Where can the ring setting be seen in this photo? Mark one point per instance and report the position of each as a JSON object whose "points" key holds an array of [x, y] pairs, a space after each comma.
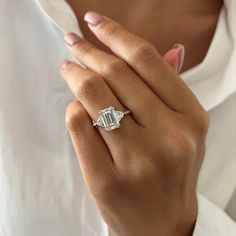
{"points": [[109, 118]]}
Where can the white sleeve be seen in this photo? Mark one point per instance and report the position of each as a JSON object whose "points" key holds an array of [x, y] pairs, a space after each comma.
{"points": [[212, 221]]}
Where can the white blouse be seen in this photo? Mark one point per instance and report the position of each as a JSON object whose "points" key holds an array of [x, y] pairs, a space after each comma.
{"points": [[41, 187]]}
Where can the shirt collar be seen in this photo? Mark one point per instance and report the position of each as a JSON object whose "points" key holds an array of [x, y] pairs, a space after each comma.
{"points": [[212, 81]]}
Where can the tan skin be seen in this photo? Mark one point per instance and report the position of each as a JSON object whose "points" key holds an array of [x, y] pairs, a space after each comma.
{"points": [[189, 22], [143, 176]]}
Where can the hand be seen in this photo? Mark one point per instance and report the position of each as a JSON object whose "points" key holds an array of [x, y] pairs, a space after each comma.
{"points": [[143, 175]]}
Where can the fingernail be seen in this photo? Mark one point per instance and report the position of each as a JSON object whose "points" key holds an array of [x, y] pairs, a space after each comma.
{"points": [[65, 63], [72, 39], [181, 55], [93, 18]]}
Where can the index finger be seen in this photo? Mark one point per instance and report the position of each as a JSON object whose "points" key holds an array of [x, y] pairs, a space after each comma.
{"points": [[143, 57]]}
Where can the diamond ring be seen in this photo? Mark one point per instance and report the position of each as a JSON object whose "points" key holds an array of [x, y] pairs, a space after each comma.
{"points": [[109, 118]]}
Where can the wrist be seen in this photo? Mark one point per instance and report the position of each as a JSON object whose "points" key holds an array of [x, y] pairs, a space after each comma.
{"points": [[186, 220]]}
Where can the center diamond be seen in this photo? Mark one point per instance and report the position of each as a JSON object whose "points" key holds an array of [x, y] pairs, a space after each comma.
{"points": [[109, 118]]}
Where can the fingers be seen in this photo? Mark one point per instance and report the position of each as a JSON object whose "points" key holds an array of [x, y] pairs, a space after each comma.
{"points": [[94, 156], [130, 89], [94, 94], [145, 60]]}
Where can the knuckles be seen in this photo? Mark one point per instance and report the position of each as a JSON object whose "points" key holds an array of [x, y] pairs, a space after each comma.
{"points": [[76, 115], [179, 144], [199, 123], [185, 148], [109, 29], [144, 52], [203, 123], [115, 66], [88, 87], [186, 138]]}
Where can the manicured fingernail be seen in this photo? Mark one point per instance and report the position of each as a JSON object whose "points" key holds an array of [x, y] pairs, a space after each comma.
{"points": [[93, 18], [72, 39], [181, 55], [65, 63]]}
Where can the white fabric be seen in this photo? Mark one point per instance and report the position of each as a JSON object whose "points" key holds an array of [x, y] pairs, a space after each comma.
{"points": [[41, 188], [212, 221]]}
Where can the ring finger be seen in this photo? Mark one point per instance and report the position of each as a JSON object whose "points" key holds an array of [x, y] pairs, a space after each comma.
{"points": [[92, 91]]}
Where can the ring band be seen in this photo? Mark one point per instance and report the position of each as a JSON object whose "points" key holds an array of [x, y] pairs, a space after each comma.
{"points": [[109, 118]]}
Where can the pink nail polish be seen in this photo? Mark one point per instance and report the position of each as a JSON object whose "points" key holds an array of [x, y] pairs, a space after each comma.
{"points": [[181, 55], [65, 63], [93, 18], [72, 39]]}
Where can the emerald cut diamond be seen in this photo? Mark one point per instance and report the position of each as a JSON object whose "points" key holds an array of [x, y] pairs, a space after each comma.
{"points": [[109, 118]]}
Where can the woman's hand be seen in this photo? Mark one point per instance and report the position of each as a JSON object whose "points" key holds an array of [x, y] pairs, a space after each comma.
{"points": [[143, 175]]}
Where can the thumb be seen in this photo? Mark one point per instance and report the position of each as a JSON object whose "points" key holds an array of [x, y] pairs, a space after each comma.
{"points": [[175, 57]]}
